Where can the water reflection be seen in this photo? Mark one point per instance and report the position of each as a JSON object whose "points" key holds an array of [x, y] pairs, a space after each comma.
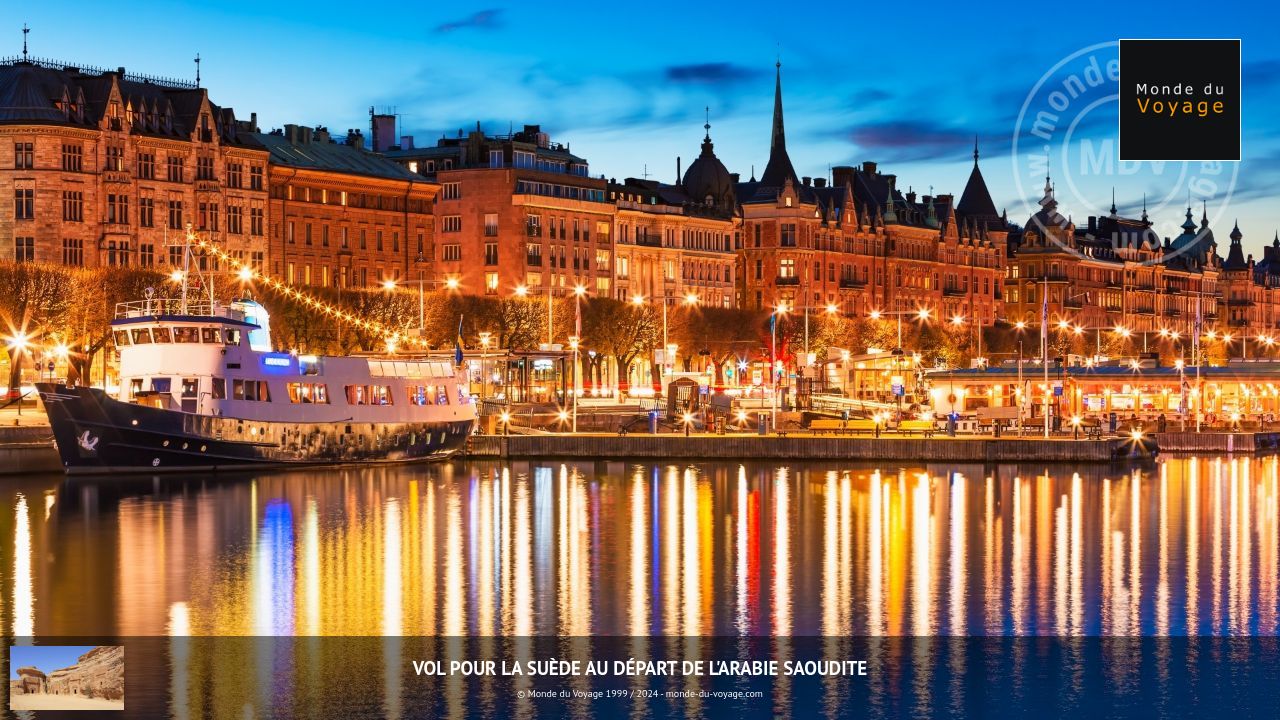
{"points": [[1187, 546]]}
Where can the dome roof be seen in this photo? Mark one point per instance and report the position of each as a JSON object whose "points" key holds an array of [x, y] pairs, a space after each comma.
{"points": [[708, 177]]}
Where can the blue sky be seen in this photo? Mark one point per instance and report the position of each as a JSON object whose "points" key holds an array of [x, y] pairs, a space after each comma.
{"points": [[905, 85], [44, 657]]}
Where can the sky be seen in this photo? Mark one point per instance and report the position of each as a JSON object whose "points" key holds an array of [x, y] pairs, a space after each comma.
{"points": [[44, 657], [627, 86]]}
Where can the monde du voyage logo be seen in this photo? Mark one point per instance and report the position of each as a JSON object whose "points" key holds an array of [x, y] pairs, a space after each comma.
{"points": [[1180, 100]]}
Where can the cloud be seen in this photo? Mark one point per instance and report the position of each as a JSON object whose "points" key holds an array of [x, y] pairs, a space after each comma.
{"points": [[907, 140], [490, 19], [869, 96], [1261, 73], [710, 73]]}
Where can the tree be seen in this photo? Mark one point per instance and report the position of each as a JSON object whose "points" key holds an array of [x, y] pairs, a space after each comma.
{"points": [[623, 331], [34, 298], [95, 294]]}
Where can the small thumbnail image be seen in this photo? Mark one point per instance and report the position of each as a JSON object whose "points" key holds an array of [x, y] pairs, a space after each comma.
{"points": [[66, 677]]}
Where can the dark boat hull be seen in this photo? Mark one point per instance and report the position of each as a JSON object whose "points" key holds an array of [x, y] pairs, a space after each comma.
{"points": [[99, 434]]}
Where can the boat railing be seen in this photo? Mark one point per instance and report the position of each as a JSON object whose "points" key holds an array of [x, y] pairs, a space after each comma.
{"points": [[174, 306]]}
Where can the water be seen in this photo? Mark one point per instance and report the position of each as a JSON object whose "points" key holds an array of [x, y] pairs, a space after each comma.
{"points": [[624, 558]]}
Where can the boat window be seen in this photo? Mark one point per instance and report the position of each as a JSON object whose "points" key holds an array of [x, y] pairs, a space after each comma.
{"points": [[122, 338], [141, 336], [135, 387], [186, 334], [161, 384], [308, 365], [308, 393], [231, 336], [219, 389], [442, 395], [463, 398], [210, 335], [190, 387], [368, 395], [418, 394], [253, 390], [162, 334]]}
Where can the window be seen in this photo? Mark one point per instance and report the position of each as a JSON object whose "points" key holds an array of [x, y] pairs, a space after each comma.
{"points": [[308, 393], [495, 158], [219, 388], [73, 251], [186, 334], [491, 225], [118, 208], [787, 268], [72, 157], [24, 204], [24, 249], [204, 167], [452, 191], [234, 220], [234, 175], [369, 395], [72, 206], [147, 166], [452, 253], [256, 221], [173, 168], [534, 254], [118, 254], [115, 158], [788, 234], [24, 154], [452, 224], [602, 260], [491, 253], [491, 283], [623, 268], [175, 214], [141, 336], [759, 269], [306, 233], [146, 255], [255, 177], [147, 212], [251, 390]]}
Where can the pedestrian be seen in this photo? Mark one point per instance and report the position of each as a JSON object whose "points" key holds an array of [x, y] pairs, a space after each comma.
{"points": [[1161, 423]]}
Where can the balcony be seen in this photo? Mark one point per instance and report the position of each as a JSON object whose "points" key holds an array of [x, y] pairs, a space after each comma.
{"points": [[208, 186], [649, 241], [1239, 302], [1172, 312], [116, 176], [954, 292], [851, 283], [1144, 311], [788, 280]]}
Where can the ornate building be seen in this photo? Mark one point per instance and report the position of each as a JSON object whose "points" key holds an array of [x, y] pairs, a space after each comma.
{"points": [[108, 168], [861, 245]]}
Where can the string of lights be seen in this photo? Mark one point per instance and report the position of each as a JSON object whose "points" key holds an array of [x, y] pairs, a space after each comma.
{"points": [[247, 273]]}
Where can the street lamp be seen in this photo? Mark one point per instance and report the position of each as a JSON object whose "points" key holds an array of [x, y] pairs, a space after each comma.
{"points": [[773, 360], [573, 343]]}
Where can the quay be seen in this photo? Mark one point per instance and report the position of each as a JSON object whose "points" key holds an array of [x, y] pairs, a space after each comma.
{"points": [[795, 446]]}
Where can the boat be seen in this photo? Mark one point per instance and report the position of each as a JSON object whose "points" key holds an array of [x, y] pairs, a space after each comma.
{"points": [[202, 389]]}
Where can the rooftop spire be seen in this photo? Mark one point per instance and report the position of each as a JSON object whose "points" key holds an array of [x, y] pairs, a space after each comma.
{"points": [[1144, 207], [1113, 201], [976, 200], [707, 125], [25, 31], [779, 167], [975, 151], [1048, 202], [197, 69]]}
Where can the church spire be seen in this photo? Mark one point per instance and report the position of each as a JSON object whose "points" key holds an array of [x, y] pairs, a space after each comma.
{"points": [[1113, 201], [975, 201], [779, 168]]}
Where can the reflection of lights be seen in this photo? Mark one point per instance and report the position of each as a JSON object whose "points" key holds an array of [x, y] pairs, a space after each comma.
{"points": [[23, 599], [875, 315], [388, 284], [1136, 435]]}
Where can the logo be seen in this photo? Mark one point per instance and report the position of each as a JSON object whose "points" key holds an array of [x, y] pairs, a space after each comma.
{"points": [[1180, 100], [87, 442], [1067, 164]]}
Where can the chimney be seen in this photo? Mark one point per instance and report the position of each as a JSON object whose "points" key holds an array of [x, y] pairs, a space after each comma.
{"points": [[253, 121], [841, 175], [1093, 225], [321, 134], [406, 142], [291, 133], [868, 167], [806, 180], [355, 138], [735, 177], [120, 71], [384, 131], [819, 182], [911, 195]]}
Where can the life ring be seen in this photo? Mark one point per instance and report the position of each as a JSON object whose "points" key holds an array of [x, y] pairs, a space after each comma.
{"points": [[1210, 419]]}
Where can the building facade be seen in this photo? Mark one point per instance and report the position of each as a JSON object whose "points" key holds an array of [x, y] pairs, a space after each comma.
{"points": [[342, 216], [109, 168]]}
